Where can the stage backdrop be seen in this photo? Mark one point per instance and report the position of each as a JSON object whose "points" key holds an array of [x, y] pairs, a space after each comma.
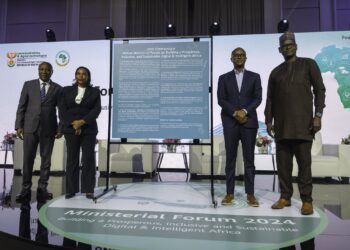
{"points": [[331, 50], [19, 63]]}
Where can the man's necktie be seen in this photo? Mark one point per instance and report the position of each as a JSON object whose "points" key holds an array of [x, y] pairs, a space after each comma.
{"points": [[43, 91]]}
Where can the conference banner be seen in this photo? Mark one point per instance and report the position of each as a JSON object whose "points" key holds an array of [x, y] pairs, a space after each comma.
{"points": [[331, 51], [19, 63], [161, 86]]}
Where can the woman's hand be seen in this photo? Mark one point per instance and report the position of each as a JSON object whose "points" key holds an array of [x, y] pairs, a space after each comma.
{"points": [[77, 124]]}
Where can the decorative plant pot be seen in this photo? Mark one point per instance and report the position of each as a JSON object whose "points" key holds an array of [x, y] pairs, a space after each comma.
{"points": [[8, 146], [263, 149], [171, 148]]}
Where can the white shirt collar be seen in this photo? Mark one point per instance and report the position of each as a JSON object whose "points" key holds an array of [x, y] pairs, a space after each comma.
{"points": [[47, 83], [238, 71]]}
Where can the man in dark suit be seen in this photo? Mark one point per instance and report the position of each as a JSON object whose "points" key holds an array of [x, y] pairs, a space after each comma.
{"points": [[239, 94], [36, 123]]}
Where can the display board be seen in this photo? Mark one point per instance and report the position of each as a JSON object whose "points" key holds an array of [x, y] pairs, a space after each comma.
{"points": [[161, 88]]}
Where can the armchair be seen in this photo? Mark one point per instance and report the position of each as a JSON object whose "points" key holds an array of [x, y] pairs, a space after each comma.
{"points": [[200, 158], [127, 158], [328, 160]]}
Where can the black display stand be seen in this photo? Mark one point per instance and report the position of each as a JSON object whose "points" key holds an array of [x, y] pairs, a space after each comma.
{"points": [[195, 141], [214, 202], [110, 92]]}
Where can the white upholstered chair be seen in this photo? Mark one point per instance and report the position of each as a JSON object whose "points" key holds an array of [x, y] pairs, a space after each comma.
{"points": [[200, 158], [328, 160], [58, 158], [127, 158]]}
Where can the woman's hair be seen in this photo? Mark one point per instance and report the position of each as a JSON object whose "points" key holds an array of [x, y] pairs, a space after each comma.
{"points": [[88, 82]]}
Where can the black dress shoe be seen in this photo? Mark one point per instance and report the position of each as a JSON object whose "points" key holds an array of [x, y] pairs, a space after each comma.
{"points": [[68, 196], [89, 195], [43, 195], [23, 197]]}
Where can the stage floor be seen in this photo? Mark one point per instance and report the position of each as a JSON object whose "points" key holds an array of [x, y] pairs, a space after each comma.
{"points": [[174, 214]]}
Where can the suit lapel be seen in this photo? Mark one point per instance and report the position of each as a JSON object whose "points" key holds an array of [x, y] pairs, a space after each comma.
{"points": [[74, 93], [50, 91], [36, 90], [244, 81], [86, 94], [234, 81]]}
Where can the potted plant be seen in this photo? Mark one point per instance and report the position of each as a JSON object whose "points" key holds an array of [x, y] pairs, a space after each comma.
{"points": [[171, 144], [262, 142]]}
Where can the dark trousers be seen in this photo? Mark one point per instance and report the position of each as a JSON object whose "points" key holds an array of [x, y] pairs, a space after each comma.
{"points": [[87, 144], [301, 149], [30, 145], [232, 135]]}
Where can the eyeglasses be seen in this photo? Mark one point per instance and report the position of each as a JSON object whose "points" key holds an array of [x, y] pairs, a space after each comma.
{"points": [[239, 56]]}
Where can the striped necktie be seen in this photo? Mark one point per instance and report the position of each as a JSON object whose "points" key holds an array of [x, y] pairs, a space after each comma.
{"points": [[43, 91]]}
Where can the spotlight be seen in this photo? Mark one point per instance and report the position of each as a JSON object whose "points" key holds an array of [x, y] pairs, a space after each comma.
{"points": [[170, 30], [50, 35], [283, 26], [109, 32], [214, 28]]}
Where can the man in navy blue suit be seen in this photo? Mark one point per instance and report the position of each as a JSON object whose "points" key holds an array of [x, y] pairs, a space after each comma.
{"points": [[239, 94]]}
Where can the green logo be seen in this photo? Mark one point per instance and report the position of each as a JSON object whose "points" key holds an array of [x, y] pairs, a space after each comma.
{"points": [[62, 58]]}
